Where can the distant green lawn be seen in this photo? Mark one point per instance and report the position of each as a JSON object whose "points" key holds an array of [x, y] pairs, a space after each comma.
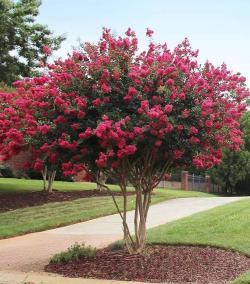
{"points": [[51, 215], [24, 185], [226, 226]]}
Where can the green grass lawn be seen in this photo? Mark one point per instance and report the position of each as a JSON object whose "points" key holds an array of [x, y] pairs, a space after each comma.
{"points": [[226, 226], [10, 185], [51, 215]]}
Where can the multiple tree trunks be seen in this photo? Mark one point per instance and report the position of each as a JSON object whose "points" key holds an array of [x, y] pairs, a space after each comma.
{"points": [[48, 179], [144, 176], [101, 178]]}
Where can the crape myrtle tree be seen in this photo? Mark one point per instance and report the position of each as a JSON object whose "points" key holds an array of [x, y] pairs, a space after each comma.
{"points": [[135, 116], [30, 124]]}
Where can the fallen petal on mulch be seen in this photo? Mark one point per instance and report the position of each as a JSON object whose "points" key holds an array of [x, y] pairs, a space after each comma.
{"points": [[175, 264]]}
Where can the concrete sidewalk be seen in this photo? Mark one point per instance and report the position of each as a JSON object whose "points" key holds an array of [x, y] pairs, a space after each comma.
{"points": [[13, 277], [32, 251]]}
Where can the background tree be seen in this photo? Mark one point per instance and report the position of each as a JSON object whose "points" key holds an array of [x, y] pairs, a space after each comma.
{"points": [[233, 173], [134, 116], [233, 169], [23, 41]]}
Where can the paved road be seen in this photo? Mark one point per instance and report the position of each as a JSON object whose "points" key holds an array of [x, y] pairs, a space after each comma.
{"points": [[32, 251]]}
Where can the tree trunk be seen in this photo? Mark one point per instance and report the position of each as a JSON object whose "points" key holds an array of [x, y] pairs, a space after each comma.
{"points": [[143, 201], [48, 180], [51, 179], [101, 178], [44, 175]]}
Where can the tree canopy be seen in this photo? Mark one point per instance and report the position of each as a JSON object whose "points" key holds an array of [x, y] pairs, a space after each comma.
{"points": [[24, 42]]}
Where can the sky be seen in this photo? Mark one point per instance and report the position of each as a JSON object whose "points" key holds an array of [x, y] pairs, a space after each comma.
{"points": [[220, 29]]}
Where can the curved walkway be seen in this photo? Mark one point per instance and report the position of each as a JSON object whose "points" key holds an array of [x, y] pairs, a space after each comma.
{"points": [[32, 251]]}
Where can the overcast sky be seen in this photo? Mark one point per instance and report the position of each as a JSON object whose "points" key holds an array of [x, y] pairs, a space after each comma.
{"points": [[220, 29]]}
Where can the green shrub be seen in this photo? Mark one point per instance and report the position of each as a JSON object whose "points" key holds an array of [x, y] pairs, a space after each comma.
{"points": [[118, 245], [75, 252]]}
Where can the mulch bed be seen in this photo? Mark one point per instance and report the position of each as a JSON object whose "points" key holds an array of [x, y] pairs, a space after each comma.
{"points": [[171, 264], [12, 201]]}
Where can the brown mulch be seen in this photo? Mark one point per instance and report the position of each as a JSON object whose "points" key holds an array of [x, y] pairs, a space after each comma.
{"points": [[174, 264], [12, 201]]}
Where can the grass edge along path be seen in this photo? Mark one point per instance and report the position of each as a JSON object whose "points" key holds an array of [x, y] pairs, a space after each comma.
{"points": [[226, 226], [243, 279], [57, 214]]}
